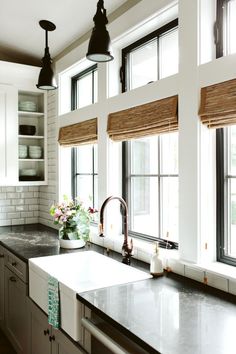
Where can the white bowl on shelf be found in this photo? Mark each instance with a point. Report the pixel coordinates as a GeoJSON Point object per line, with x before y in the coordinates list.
{"type": "Point", "coordinates": [28, 172]}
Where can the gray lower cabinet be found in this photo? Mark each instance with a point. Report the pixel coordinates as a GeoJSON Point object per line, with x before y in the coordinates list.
{"type": "Point", "coordinates": [1, 287]}
{"type": "Point", "coordinates": [43, 338]}
{"type": "Point", "coordinates": [15, 311]}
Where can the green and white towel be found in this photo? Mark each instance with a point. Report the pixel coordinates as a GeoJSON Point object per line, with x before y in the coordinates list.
{"type": "Point", "coordinates": [53, 302]}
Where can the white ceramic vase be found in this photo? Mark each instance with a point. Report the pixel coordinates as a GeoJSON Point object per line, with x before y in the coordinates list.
{"type": "Point", "coordinates": [71, 244]}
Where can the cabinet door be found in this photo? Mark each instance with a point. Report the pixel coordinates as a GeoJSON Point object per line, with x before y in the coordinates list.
{"type": "Point", "coordinates": [39, 330]}
{"type": "Point", "coordinates": [15, 311]}
{"type": "Point", "coordinates": [61, 344]}
{"type": "Point", "coordinates": [1, 287]}
{"type": "Point", "coordinates": [8, 134]}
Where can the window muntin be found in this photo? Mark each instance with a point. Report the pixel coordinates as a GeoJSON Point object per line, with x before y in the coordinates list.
{"type": "Point", "coordinates": [151, 191]}
{"type": "Point", "coordinates": [226, 195]}
{"type": "Point", "coordinates": [151, 58]}
{"type": "Point", "coordinates": [84, 88]}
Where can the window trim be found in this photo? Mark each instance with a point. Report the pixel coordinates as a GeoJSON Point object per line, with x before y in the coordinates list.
{"type": "Point", "coordinates": [75, 79]}
{"type": "Point", "coordinates": [135, 45]}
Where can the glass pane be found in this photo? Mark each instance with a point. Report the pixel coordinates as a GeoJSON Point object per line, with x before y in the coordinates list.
{"type": "Point", "coordinates": [143, 65]}
{"type": "Point", "coordinates": [144, 205]}
{"type": "Point", "coordinates": [169, 153]}
{"type": "Point", "coordinates": [144, 156]}
{"type": "Point", "coordinates": [232, 150]}
{"type": "Point", "coordinates": [84, 159]}
{"type": "Point", "coordinates": [231, 27]}
{"type": "Point", "coordinates": [168, 54]}
{"type": "Point", "coordinates": [95, 158]}
{"type": "Point", "coordinates": [85, 189]}
{"type": "Point", "coordinates": [84, 91]}
{"type": "Point", "coordinates": [95, 86]}
{"type": "Point", "coordinates": [232, 216]}
{"type": "Point", "coordinates": [169, 207]}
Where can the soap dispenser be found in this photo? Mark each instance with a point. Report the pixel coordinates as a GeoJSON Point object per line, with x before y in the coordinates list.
{"type": "Point", "coordinates": [156, 267]}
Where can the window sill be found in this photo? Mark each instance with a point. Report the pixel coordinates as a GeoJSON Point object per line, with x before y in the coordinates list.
{"type": "Point", "coordinates": [215, 274]}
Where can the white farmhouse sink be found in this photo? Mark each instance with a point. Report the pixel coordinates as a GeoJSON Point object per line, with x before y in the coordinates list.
{"type": "Point", "coordinates": [76, 273]}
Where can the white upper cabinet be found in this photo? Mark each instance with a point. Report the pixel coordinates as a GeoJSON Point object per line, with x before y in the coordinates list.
{"type": "Point", "coordinates": [23, 126]}
{"type": "Point", "coordinates": [8, 134]}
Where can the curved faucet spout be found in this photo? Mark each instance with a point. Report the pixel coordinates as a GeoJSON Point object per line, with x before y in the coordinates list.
{"type": "Point", "coordinates": [126, 248]}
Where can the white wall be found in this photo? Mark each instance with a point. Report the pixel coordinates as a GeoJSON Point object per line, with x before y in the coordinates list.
{"type": "Point", "coordinates": [195, 229]}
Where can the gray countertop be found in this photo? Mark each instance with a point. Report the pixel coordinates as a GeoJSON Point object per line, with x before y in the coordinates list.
{"type": "Point", "coordinates": [169, 315]}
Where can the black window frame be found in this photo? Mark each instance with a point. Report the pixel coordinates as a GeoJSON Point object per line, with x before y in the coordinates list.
{"type": "Point", "coordinates": [75, 173]}
{"type": "Point", "coordinates": [126, 146]}
{"type": "Point", "coordinates": [74, 94]}
{"type": "Point", "coordinates": [126, 192]}
{"type": "Point", "coordinates": [221, 154]}
{"type": "Point", "coordinates": [74, 151]}
{"type": "Point", "coordinates": [139, 43]}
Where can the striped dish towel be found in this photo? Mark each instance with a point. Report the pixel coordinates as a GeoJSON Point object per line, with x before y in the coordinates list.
{"type": "Point", "coordinates": [53, 302]}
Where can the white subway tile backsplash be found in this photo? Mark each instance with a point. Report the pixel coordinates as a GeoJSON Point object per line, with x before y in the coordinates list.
{"type": "Point", "coordinates": [175, 266]}
{"type": "Point", "coordinates": [9, 189]}
{"type": "Point", "coordinates": [26, 214]}
{"type": "Point", "coordinates": [232, 287]}
{"type": "Point", "coordinates": [11, 195]}
{"type": "Point", "coordinates": [31, 220]}
{"type": "Point", "coordinates": [22, 208]}
{"type": "Point", "coordinates": [217, 281]}
{"type": "Point", "coordinates": [193, 273]}
{"type": "Point", "coordinates": [18, 201]}
{"type": "Point", "coordinates": [13, 215]}
{"type": "Point", "coordinates": [5, 222]}
{"type": "Point", "coordinates": [17, 221]}
{"type": "Point", "coordinates": [3, 195]}
{"type": "Point", "coordinates": [5, 202]}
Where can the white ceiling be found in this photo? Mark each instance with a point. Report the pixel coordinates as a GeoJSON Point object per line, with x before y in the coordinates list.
{"type": "Point", "coordinates": [23, 40]}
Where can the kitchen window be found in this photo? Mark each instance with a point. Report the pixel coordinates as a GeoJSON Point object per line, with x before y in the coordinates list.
{"type": "Point", "coordinates": [150, 186]}
{"type": "Point", "coordinates": [150, 164]}
{"type": "Point", "coordinates": [84, 157]}
{"type": "Point", "coordinates": [226, 195]}
{"type": "Point", "coordinates": [151, 58]}
{"type": "Point", "coordinates": [84, 88]}
{"type": "Point", "coordinates": [225, 29]}
{"type": "Point", "coordinates": [84, 174]}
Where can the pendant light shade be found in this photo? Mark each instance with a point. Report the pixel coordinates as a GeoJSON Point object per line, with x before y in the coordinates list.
{"type": "Point", "coordinates": [46, 79]}
{"type": "Point", "coordinates": [99, 44]}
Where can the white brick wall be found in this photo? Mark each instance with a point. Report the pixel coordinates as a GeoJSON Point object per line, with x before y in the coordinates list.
{"type": "Point", "coordinates": [48, 194]}
{"type": "Point", "coordinates": [19, 205]}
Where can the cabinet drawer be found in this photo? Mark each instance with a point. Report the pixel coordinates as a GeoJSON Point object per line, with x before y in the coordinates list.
{"type": "Point", "coordinates": [17, 266]}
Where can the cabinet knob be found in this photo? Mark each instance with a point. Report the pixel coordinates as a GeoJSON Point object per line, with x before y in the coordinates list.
{"type": "Point", "coordinates": [51, 338]}
{"type": "Point", "coordinates": [12, 279]}
{"type": "Point", "coordinates": [1, 255]}
{"type": "Point", "coordinates": [14, 264]}
{"type": "Point", "coordinates": [46, 332]}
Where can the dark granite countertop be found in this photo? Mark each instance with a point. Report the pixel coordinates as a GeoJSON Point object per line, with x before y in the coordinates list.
{"type": "Point", "coordinates": [169, 315]}
{"type": "Point", "coordinates": [36, 240]}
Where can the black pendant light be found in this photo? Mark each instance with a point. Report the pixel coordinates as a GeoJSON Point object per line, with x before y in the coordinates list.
{"type": "Point", "coordinates": [46, 79]}
{"type": "Point", "coordinates": [99, 44]}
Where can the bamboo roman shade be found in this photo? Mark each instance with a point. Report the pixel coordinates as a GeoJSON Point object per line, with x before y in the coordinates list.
{"type": "Point", "coordinates": [80, 133]}
{"type": "Point", "coordinates": [218, 104]}
{"type": "Point", "coordinates": [151, 118]}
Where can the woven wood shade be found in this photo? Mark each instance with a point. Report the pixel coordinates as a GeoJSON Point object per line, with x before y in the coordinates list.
{"type": "Point", "coordinates": [151, 118]}
{"type": "Point", "coordinates": [80, 133]}
{"type": "Point", "coordinates": [218, 104]}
